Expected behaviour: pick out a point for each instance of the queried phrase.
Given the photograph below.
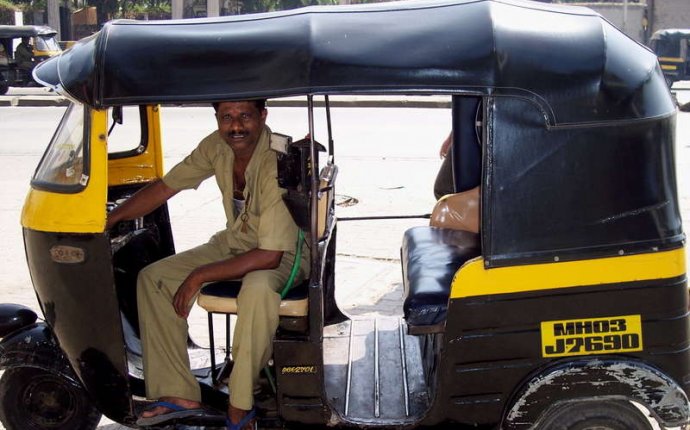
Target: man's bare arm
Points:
(141, 203)
(233, 268)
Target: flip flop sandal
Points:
(243, 422)
(177, 412)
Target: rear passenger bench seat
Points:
(431, 255)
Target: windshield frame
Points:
(46, 185)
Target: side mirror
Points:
(116, 113)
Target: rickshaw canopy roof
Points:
(14, 31)
(671, 33)
(571, 62)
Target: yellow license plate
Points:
(605, 335)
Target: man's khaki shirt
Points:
(264, 222)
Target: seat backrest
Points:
(458, 211)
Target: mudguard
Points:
(14, 317)
(35, 346)
(596, 378)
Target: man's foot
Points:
(162, 409)
(240, 419)
(169, 408)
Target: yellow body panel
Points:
(668, 67)
(146, 166)
(82, 212)
(474, 280)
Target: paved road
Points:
(388, 160)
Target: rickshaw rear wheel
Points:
(35, 399)
(595, 415)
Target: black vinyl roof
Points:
(25, 31)
(570, 61)
(671, 32)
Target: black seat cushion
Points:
(231, 289)
(430, 258)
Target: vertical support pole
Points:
(212, 8)
(212, 349)
(625, 15)
(177, 9)
(53, 7)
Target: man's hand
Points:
(182, 301)
(232, 268)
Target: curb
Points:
(38, 101)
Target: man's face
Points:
(240, 124)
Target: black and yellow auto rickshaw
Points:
(564, 307)
(671, 46)
(44, 43)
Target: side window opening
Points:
(127, 131)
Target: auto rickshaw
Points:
(44, 45)
(671, 46)
(564, 305)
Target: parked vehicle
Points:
(565, 306)
(671, 46)
(44, 44)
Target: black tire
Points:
(35, 399)
(3, 87)
(595, 415)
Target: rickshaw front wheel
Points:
(595, 415)
(35, 399)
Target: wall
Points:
(669, 14)
(633, 23)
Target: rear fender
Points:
(35, 346)
(14, 317)
(588, 379)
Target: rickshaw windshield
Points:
(666, 47)
(62, 167)
(46, 44)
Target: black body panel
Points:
(493, 343)
(554, 194)
(80, 305)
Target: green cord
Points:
(295, 265)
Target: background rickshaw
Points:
(566, 306)
(44, 44)
(671, 46)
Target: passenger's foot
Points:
(169, 408)
(160, 407)
(241, 419)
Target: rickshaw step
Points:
(373, 370)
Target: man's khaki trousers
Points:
(164, 334)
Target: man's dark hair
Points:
(259, 103)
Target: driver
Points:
(257, 246)
(24, 55)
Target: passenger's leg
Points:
(257, 321)
(444, 178)
(163, 333)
